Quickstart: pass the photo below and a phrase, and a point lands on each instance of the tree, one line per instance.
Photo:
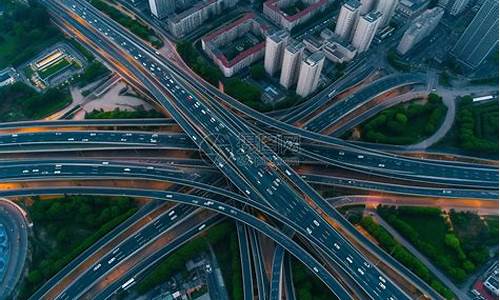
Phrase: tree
(257, 71)
(468, 266)
(401, 118)
(452, 241)
(34, 277)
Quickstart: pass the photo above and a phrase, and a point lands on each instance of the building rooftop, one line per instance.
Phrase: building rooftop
(295, 46)
(188, 12)
(372, 16)
(279, 35)
(352, 5)
(315, 58)
(274, 5)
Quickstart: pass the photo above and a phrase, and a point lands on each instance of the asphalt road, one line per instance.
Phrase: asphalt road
(14, 220)
(197, 119)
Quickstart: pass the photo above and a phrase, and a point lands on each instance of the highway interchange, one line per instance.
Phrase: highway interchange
(264, 180)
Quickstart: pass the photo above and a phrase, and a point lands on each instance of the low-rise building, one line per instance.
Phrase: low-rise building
(277, 11)
(229, 56)
(190, 19)
(339, 51)
(491, 282)
(313, 44)
(7, 76)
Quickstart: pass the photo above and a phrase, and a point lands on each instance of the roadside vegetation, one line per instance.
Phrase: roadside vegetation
(199, 65)
(401, 254)
(457, 243)
(406, 123)
(307, 285)
(222, 237)
(476, 128)
(117, 113)
(64, 227)
(243, 91)
(396, 62)
(20, 102)
(26, 30)
(94, 71)
(136, 27)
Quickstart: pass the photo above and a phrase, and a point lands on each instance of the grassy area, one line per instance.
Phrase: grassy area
(86, 53)
(475, 129)
(26, 31)
(65, 227)
(53, 69)
(401, 254)
(94, 71)
(228, 257)
(21, 102)
(406, 123)
(353, 213)
(136, 27)
(475, 234)
(123, 114)
(307, 285)
(458, 248)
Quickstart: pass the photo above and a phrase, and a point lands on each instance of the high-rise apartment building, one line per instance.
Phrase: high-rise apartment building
(275, 45)
(366, 6)
(421, 27)
(291, 63)
(161, 8)
(347, 19)
(310, 71)
(387, 9)
(480, 37)
(365, 31)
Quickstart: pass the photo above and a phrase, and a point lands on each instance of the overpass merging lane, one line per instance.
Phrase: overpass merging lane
(476, 176)
(185, 112)
(195, 121)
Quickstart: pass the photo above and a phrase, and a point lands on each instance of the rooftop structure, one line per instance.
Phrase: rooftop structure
(458, 7)
(410, 8)
(7, 76)
(339, 51)
(491, 282)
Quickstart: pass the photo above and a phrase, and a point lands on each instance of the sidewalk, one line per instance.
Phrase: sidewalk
(438, 273)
